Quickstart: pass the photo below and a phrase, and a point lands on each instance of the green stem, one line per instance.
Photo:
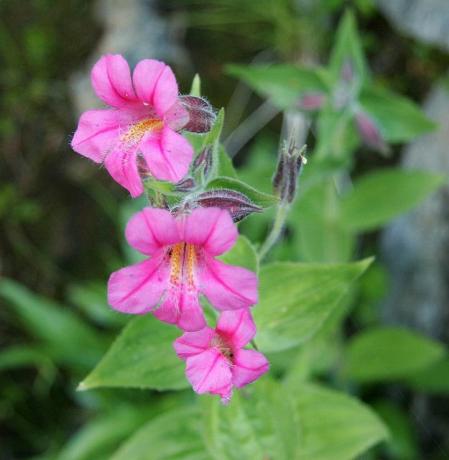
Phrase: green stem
(276, 230)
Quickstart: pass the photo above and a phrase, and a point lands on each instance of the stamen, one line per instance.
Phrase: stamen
(137, 130)
(223, 347)
(183, 262)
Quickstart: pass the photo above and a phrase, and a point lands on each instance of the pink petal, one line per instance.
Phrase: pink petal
(151, 229)
(155, 85)
(111, 80)
(177, 116)
(168, 155)
(228, 287)
(249, 365)
(209, 372)
(121, 164)
(237, 326)
(97, 133)
(138, 288)
(192, 343)
(181, 307)
(211, 228)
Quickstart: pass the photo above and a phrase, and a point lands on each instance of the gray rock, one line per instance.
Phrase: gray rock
(427, 20)
(132, 28)
(415, 247)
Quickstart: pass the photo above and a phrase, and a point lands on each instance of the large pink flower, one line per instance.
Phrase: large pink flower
(182, 265)
(139, 131)
(215, 359)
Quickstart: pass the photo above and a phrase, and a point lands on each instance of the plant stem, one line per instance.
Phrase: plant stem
(276, 230)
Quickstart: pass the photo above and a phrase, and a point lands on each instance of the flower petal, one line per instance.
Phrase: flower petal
(138, 288)
(249, 365)
(155, 85)
(228, 287)
(181, 307)
(111, 80)
(151, 229)
(211, 228)
(97, 133)
(121, 164)
(209, 372)
(168, 155)
(176, 117)
(192, 343)
(237, 326)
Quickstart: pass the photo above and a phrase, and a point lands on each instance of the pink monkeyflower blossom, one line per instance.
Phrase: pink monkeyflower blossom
(140, 129)
(216, 361)
(182, 265)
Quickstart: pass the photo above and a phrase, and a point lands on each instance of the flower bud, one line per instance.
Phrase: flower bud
(370, 133)
(185, 185)
(347, 70)
(311, 101)
(238, 204)
(201, 114)
(203, 159)
(290, 163)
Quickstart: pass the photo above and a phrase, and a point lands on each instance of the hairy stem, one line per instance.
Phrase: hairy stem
(276, 230)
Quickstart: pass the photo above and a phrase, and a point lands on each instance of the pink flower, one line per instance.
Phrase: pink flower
(215, 359)
(182, 265)
(139, 131)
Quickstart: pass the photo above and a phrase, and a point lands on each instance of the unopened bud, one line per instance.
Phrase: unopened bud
(347, 70)
(185, 185)
(238, 204)
(201, 114)
(311, 101)
(204, 159)
(285, 179)
(370, 133)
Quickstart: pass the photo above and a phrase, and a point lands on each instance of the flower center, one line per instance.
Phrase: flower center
(137, 130)
(223, 346)
(183, 261)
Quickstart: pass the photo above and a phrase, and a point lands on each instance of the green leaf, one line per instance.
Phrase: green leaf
(173, 435)
(382, 195)
(403, 440)
(260, 424)
(348, 49)
(225, 166)
(282, 84)
(141, 357)
(398, 119)
(23, 355)
(388, 353)
(433, 379)
(100, 437)
(316, 223)
(296, 299)
(54, 325)
(262, 199)
(242, 255)
(334, 426)
(195, 89)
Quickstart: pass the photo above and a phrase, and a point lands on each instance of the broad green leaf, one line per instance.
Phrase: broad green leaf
(141, 357)
(398, 118)
(389, 353)
(174, 435)
(296, 299)
(260, 198)
(282, 84)
(316, 223)
(56, 326)
(433, 379)
(242, 255)
(348, 50)
(225, 166)
(101, 437)
(261, 423)
(334, 426)
(382, 195)
(402, 443)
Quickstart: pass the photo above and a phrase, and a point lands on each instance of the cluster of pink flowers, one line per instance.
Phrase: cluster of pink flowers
(139, 137)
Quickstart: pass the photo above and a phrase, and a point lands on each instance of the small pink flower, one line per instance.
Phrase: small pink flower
(182, 265)
(215, 359)
(139, 131)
